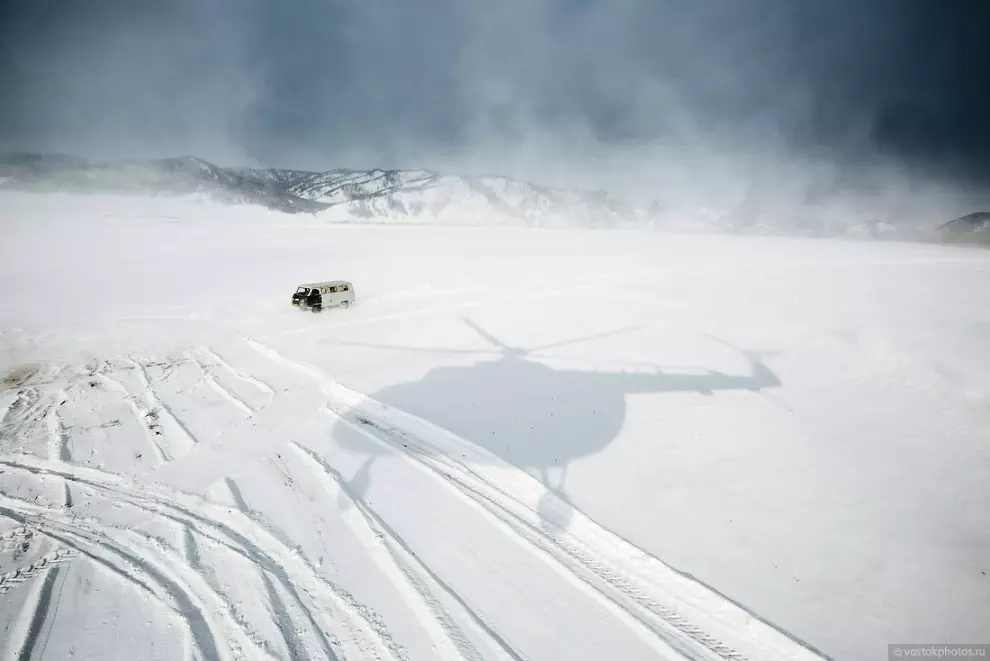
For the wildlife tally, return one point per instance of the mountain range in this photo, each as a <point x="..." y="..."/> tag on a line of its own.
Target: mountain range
<point x="340" y="194"/>
<point x="426" y="197"/>
<point x="971" y="228"/>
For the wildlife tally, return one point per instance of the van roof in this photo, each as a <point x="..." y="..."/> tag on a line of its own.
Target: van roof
<point x="329" y="283"/>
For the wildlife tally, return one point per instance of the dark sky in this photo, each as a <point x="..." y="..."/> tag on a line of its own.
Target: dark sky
<point x="552" y="90"/>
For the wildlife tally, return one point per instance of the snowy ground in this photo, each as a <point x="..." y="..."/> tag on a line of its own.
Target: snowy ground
<point x="519" y="444"/>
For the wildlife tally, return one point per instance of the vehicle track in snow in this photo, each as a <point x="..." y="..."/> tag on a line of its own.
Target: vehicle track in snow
<point x="673" y="614"/>
<point x="133" y="566"/>
<point x="417" y="582"/>
<point x="339" y="621"/>
<point x="585" y="572"/>
<point x="211" y="381"/>
<point x="12" y="579"/>
<point x="247" y="378"/>
<point x="39" y="625"/>
<point x="652" y="598"/>
<point x="142" y="415"/>
<point x="351" y="408"/>
<point x="160" y="408"/>
<point x="14" y="538"/>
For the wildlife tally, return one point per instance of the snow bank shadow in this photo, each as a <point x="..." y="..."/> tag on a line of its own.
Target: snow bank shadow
<point x="539" y="418"/>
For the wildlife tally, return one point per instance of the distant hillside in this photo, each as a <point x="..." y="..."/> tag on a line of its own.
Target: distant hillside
<point x="167" y="176"/>
<point x="971" y="228"/>
<point x="426" y="197"/>
<point x="413" y="196"/>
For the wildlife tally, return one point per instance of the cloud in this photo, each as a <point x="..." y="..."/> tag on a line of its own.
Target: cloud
<point x="702" y="97"/>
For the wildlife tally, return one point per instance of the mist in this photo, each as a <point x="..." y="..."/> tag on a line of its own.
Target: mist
<point x="764" y="105"/>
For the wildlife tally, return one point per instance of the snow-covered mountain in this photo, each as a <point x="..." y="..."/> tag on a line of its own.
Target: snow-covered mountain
<point x="971" y="227"/>
<point x="424" y="197"/>
<point x="430" y="197"/>
<point x="414" y="196"/>
<point x="155" y="177"/>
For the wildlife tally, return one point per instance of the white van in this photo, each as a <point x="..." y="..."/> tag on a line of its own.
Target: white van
<point x="318" y="295"/>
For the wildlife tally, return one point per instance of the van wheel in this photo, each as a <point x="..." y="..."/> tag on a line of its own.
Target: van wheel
<point x="345" y="304"/>
<point x="317" y="309"/>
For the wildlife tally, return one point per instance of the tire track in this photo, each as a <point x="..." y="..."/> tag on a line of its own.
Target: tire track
<point x="171" y="589"/>
<point x="141" y="415"/>
<point x="39" y="617"/>
<point x="344" y="411"/>
<point x="191" y="555"/>
<point x="614" y="583"/>
<point x="156" y="404"/>
<point x="234" y="530"/>
<point x="135" y="563"/>
<point x="665" y="642"/>
<point x="247" y="378"/>
<point x="14" y="538"/>
<point x="402" y="567"/>
<point x="293" y="643"/>
<point x="288" y="579"/>
<point x="239" y="403"/>
<point x="13" y="579"/>
<point x="237" y="495"/>
<point x="328" y="651"/>
<point x="629" y="581"/>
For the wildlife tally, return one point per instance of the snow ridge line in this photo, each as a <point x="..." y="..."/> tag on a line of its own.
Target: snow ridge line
<point x="223" y="392"/>
<point x="12" y="579"/>
<point x="247" y="537"/>
<point x="609" y="550"/>
<point x="156" y="404"/>
<point x="247" y="378"/>
<point x="453" y="644"/>
<point x="30" y="417"/>
<point x="7" y="400"/>
<point x="139" y="414"/>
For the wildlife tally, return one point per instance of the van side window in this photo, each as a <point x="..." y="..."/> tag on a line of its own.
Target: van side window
<point x="344" y="288"/>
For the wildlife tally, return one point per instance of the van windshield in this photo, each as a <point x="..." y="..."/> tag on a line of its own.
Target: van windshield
<point x="302" y="290"/>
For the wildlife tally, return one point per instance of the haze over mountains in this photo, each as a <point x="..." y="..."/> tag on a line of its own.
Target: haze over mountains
<point x="339" y="194"/>
<point x="427" y="197"/>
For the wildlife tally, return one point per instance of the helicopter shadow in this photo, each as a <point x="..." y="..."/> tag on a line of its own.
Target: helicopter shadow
<point x="539" y="418"/>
